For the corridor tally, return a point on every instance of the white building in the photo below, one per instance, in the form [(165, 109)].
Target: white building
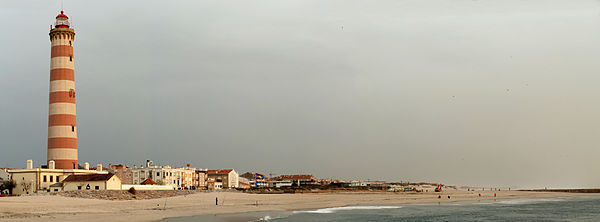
[(32, 180), (91, 182), (163, 175)]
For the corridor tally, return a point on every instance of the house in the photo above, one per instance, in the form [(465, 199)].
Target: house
[(123, 172), (92, 182), (295, 180), (227, 178)]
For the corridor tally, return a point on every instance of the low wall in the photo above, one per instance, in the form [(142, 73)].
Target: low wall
[(146, 187)]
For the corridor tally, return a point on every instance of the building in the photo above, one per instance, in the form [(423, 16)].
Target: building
[(62, 128), (279, 184), (368, 183), (163, 175), (255, 180), (201, 177), (123, 172), (4, 175), (243, 183), (189, 177), (226, 179), (295, 180), (107, 181), (32, 180)]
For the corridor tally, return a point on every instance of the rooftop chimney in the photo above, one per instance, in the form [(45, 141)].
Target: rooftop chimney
[(99, 167), (86, 166), (29, 164), (51, 164)]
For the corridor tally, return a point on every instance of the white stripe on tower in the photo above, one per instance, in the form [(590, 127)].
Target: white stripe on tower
[(61, 85)]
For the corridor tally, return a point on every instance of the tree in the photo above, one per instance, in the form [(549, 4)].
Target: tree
[(8, 185), (27, 186)]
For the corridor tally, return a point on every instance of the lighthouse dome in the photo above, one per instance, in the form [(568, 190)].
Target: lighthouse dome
[(62, 20), (62, 15)]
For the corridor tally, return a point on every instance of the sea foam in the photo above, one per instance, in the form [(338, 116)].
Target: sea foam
[(335, 209)]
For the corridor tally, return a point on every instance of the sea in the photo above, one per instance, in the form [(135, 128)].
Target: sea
[(551, 209)]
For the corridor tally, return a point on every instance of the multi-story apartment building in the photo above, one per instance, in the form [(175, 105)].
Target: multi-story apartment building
[(163, 175), (189, 177), (222, 179), (201, 177)]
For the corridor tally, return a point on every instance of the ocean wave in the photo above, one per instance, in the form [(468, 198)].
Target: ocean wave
[(335, 209), (526, 201), (268, 218)]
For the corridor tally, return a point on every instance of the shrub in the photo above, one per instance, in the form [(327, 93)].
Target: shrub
[(132, 191)]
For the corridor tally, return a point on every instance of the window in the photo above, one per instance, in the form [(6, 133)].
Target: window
[(51, 178), (72, 128), (55, 190), (79, 187), (44, 178), (71, 58), (57, 179), (71, 44), (97, 187), (158, 174)]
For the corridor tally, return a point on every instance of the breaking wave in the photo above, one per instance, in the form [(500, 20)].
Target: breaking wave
[(335, 209)]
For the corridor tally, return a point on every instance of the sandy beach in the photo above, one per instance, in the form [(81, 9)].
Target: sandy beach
[(58, 208)]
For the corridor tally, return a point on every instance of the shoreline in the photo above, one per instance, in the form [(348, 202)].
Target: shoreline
[(58, 208)]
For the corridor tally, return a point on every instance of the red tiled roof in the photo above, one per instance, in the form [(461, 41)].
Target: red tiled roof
[(89, 177), (149, 182), (294, 177), (220, 172), (120, 166)]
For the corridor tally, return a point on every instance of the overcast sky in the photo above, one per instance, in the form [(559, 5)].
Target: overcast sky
[(473, 92)]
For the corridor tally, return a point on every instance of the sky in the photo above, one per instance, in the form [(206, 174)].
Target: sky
[(463, 92)]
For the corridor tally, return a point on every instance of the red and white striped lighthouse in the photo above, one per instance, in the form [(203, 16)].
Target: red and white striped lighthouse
[(62, 129)]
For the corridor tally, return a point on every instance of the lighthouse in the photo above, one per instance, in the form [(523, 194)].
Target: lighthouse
[(62, 127)]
